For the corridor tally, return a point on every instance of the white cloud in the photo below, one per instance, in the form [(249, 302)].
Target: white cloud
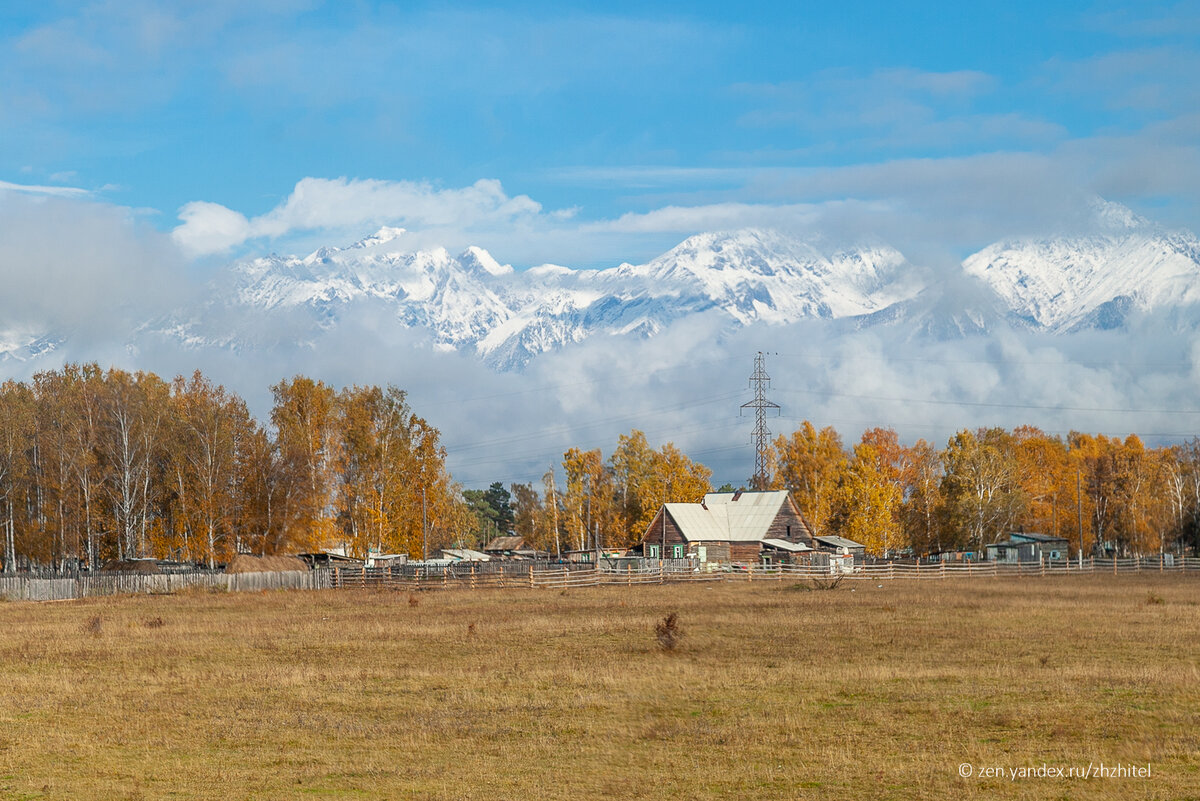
[(354, 205), (210, 228), (87, 269), (31, 189)]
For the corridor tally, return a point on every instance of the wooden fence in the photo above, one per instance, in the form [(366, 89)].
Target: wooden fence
[(38, 588), (515, 575), (652, 572)]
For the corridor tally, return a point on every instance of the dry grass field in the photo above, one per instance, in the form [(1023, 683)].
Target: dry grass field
[(775, 691)]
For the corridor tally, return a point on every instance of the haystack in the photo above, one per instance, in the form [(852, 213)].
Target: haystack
[(144, 566), (246, 563)]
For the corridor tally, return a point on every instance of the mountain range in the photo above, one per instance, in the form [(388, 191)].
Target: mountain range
[(1125, 265)]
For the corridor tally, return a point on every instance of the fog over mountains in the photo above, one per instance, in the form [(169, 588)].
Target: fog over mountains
[(1086, 331), (470, 303)]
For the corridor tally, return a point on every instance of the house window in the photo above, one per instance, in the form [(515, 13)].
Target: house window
[(652, 552), (676, 551), (789, 532)]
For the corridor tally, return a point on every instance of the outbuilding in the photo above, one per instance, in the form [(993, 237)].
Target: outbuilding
[(1028, 547)]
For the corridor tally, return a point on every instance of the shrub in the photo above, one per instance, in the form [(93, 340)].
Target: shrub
[(667, 632)]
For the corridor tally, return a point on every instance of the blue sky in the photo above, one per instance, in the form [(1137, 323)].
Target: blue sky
[(558, 132)]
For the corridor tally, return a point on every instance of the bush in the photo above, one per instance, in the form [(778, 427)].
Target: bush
[(667, 632)]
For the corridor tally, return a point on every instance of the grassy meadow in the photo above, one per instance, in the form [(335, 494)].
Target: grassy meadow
[(775, 691)]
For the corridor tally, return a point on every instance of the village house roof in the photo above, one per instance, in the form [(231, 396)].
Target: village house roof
[(728, 516), (838, 542), (505, 544), (465, 555), (784, 545), (1020, 536)]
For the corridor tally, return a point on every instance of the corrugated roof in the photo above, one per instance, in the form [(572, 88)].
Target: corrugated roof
[(721, 518), (839, 542), (699, 524), (784, 545), (466, 555)]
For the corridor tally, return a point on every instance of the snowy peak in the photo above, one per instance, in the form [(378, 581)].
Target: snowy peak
[(478, 260), (1124, 265), (383, 236), (1092, 281), (474, 301)]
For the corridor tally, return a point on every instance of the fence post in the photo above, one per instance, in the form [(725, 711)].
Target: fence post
[(1114, 564), (628, 574), (662, 573), (944, 570), (472, 576), (531, 577), (891, 570), (337, 577), (1160, 562), (1042, 562)]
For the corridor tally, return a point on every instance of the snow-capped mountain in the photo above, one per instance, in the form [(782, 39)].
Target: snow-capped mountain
[(471, 301), (1091, 281)]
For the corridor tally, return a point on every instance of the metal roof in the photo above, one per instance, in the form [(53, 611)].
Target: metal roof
[(1034, 537), (728, 516), (784, 545), (466, 555), (839, 542)]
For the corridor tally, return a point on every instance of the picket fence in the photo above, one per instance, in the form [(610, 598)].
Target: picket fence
[(552, 576)]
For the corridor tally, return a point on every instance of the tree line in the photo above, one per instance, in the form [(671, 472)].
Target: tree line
[(1105, 495), (602, 503), (110, 465)]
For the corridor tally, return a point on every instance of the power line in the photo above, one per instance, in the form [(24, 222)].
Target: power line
[(993, 404)]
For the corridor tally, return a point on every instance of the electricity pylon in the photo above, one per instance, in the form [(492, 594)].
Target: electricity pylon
[(760, 382)]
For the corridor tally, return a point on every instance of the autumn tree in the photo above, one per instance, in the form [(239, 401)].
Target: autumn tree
[(811, 464), (870, 495), (588, 497), (16, 432), (980, 493), (306, 425), (921, 477), (212, 430)]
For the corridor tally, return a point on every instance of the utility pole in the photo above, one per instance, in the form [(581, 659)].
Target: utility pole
[(554, 512), (1079, 510), (760, 382)]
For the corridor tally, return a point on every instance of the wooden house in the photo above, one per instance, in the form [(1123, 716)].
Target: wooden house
[(730, 527), (1022, 547)]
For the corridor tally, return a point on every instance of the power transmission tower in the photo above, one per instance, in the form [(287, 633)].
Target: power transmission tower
[(760, 382)]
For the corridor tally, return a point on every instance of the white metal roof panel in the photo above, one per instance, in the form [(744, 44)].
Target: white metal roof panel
[(839, 542), (784, 545)]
